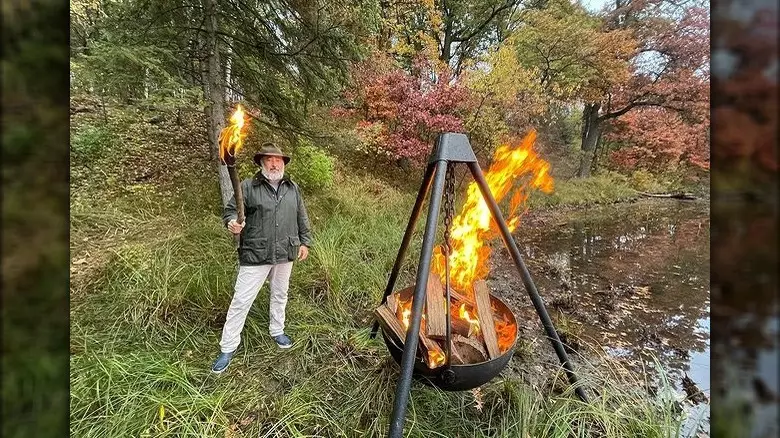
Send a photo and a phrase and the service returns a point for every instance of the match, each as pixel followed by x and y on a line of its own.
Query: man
pixel 275 233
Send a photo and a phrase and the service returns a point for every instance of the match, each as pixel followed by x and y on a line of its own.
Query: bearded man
pixel 276 232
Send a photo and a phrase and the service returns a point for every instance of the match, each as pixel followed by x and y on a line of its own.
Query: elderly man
pixel 275 233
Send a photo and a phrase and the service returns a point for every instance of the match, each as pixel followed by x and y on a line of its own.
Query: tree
pixel 400 113
pixel 283 55
pixel 658 138
pixel 455 31
pixel 670 70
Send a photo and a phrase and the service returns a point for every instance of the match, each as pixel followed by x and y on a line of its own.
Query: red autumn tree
pixel 657 138
pixel 670 73
pixel 400 113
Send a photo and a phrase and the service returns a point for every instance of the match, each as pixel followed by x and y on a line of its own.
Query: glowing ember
pixel 405 314
pixel 506 333
pixel 515 167
pixel 231 138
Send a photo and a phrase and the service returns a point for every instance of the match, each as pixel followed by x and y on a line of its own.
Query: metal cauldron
pixel 459 377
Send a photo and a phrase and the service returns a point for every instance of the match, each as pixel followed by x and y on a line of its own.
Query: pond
pixel 633 278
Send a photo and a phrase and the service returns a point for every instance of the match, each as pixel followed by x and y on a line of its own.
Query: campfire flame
pixel 468 317
pixel 231 138
pixel 515 167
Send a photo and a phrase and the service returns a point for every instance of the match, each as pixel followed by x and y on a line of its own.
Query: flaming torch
pixel 230 140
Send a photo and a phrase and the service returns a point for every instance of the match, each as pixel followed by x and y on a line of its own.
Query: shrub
pixel 645 181
pixel 91 143
pixel 311 167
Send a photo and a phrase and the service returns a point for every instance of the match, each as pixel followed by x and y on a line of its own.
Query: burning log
pixel 467 351
pixel 435 309
pixel 392 326
pixel 485 315
pixel 392 304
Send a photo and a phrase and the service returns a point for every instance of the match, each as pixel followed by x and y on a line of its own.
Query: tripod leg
pixel 399 259
pixel 412 335
pixel 530 287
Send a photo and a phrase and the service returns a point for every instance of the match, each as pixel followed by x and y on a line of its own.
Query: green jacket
pixel 276 222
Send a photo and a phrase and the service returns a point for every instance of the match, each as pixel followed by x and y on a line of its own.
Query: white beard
pixel 272 175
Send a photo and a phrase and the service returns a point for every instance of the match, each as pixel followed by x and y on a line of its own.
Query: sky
pixel 594 5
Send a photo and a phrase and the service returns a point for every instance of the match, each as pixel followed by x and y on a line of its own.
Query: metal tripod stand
pixel 451 149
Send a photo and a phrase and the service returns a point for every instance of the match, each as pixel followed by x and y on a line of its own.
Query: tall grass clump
pixel 604 188
pixel 143 394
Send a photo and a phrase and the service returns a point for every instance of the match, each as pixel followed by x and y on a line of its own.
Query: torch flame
pixel 514 166
pixel 231 138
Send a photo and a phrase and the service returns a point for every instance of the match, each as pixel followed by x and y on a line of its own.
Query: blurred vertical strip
pixel 35 218
pixel 744 67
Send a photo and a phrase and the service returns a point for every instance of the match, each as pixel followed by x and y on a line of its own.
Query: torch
pixel 230 140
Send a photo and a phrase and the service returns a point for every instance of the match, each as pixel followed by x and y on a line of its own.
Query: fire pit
pixel 461 376
pixel 416 321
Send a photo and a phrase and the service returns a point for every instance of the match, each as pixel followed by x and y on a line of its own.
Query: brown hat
pixel 272 150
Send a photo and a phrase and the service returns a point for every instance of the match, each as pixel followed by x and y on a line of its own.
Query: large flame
pixel 231 138
pixel 515 167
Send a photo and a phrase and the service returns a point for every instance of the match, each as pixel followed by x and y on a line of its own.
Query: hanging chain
pixel 449 208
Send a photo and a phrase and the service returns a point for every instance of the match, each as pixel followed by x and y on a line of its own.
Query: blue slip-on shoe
pixel 283 341
pixel 222 362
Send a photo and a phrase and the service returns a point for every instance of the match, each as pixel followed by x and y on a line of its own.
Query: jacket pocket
pixel 295 244
pixel 254 251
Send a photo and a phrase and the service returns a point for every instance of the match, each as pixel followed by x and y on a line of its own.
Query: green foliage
pixel 311 167
pixel 91 143
pixel 571 55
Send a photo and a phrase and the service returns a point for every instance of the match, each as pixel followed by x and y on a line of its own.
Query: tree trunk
pixel 215 111
pixel 591 130
pixel 598 152
pixel 229 94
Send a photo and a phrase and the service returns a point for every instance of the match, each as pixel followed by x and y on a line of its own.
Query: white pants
pixel 248 283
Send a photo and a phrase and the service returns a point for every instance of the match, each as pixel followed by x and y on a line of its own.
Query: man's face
pixel 273 166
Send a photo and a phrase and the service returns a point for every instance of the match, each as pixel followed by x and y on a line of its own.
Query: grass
pixel 145 328
pixel 151 281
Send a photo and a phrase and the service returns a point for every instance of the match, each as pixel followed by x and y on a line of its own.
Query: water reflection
pixel 636 278
pixel 639 278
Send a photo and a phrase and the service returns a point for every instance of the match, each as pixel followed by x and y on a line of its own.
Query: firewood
pixel 390 324
pixel 393 328
pixel 392 303
pixel 459 326
pixel 485 315
pixel 460 298
pixel 431 346
pixel 467 351
pixel 435 308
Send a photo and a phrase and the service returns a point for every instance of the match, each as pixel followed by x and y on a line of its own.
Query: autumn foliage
pixel 400 113
pixel 657 138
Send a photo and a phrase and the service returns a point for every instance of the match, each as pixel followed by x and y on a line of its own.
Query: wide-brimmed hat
pixel 271 150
